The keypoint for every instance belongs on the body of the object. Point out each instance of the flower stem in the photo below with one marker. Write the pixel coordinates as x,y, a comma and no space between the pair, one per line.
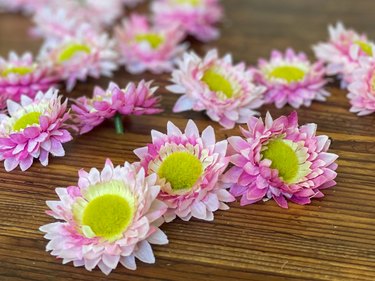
118,124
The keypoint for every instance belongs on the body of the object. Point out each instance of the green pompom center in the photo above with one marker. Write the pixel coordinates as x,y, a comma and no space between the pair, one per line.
217,83
288,73
189,2
71,50
108,215
20,70
284,159
26,120
181,169
155,40
365,47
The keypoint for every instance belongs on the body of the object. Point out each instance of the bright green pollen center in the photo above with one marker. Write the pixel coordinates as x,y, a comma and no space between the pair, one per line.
283,158
108,215
181,169
71,50
217,83
365,47
26,120
20,70
288,73
189,2
155,40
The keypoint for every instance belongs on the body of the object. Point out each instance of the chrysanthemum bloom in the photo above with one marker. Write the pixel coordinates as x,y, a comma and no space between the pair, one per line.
291,78
85,54
34,128
280,160
342,51
21,75
111,217
225,91
362,89
144,47
188,167
197,17
115,102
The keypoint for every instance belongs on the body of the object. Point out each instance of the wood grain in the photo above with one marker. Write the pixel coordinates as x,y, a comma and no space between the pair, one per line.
331,239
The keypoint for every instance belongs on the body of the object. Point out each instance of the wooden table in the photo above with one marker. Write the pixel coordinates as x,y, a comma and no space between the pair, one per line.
331,239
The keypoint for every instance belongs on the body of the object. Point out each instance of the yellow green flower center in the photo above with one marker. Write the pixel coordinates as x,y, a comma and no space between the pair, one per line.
181,169
284,159
365,47
193,3
108,215
288,73
20,70
153,39
71,50
216,82
26,120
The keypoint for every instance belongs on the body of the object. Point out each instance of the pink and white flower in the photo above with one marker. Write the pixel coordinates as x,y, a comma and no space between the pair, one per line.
105,104
225,91
291,78
111,216
280,160
34,129
188,166
145,47
197,17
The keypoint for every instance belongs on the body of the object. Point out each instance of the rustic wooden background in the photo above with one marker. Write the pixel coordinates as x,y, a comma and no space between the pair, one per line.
331,239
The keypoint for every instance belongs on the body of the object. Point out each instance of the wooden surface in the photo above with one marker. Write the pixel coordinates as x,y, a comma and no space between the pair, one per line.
331,239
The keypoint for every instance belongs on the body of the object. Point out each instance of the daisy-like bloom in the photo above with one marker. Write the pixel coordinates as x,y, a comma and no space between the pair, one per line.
291,78
362,89
188,167
112,216
34,128
225,91
115,102
21,75
197,17
144,47
343,50
280,160
85,54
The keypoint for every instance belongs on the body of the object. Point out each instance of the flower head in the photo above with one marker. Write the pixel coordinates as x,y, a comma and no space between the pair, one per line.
188,167
144,47
225,91
34,128
112,216
280,160
105,104
291,78
197,17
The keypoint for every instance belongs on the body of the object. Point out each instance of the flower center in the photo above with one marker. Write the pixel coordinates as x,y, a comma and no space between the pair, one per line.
181,169
284,159
20,70
108,215
71,50
153,39
365,47
26,120
288,73
217,83
193,3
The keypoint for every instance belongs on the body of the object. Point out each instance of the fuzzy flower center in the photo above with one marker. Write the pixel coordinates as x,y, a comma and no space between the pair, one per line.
288,73
365,47
153,39
26,120
216,82
20,70
193,3
71,50
181,169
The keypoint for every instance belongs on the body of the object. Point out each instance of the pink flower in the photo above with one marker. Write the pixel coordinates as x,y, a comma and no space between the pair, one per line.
225,91
342,51
33,129
362,89
23,76
291,78
105,104
111,216
144,47
189,167
280,160
197,17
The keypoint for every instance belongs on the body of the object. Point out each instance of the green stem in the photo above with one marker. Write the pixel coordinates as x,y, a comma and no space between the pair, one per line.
118,124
